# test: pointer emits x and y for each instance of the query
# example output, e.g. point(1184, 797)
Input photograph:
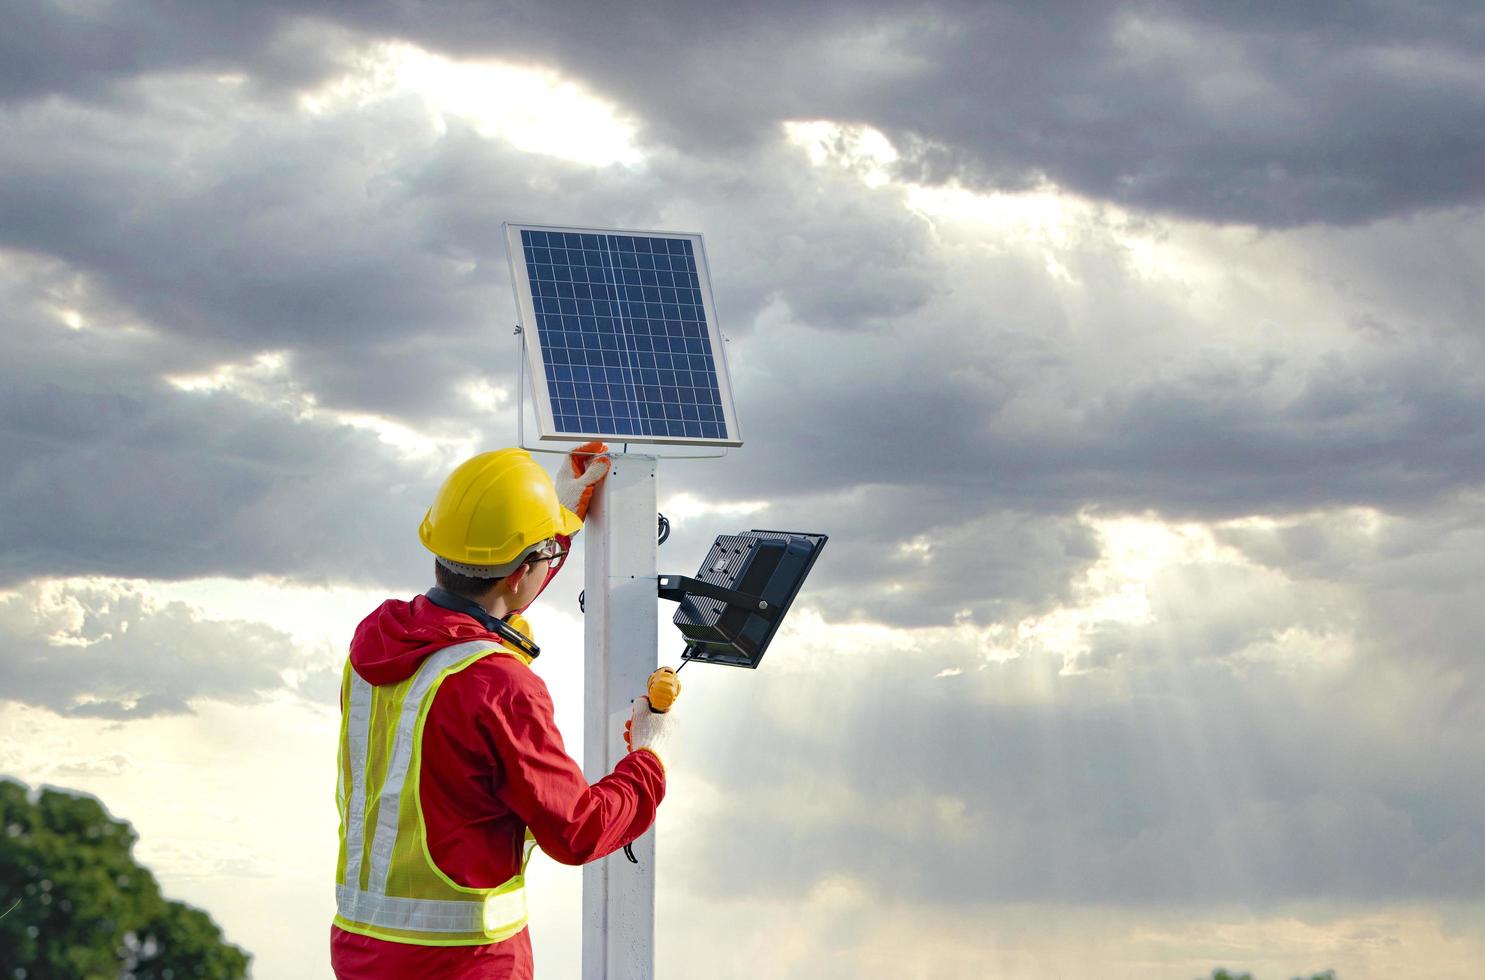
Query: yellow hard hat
point(492, 510)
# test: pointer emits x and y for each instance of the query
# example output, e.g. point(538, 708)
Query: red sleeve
point(572, 821)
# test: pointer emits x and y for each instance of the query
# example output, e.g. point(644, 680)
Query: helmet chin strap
point(457, 603)
point(546, 582)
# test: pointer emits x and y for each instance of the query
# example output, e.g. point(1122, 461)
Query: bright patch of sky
point(220, 811)
point(534, 109)
point(860, 149)
point(681, 507)
point(1295, 318)
point(1139, 557)
point(484, 395)
point(265, 380)
point(1046, 216)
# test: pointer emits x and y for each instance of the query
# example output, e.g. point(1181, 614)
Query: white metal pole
point(621, 642)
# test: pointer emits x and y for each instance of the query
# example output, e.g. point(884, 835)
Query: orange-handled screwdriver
point(663, 688)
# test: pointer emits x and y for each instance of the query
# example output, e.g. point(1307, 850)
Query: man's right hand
point(648, 729)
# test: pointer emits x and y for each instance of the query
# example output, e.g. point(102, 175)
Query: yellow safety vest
point(386, 884)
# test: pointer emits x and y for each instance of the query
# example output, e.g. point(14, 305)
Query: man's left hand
point(584, 469)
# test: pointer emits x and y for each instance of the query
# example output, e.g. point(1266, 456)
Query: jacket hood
point(391, 642)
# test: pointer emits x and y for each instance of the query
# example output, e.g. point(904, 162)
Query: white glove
point(585, 468)
point(648, 729)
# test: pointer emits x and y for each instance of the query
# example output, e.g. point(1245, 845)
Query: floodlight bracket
point(677, 587)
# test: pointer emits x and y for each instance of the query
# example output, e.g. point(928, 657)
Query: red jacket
point(493, 765)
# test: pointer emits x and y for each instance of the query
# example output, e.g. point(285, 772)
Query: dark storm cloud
point(1050, 420)
point(175, 486)
point(225, 236)
point(381, 303)
point(1379, 430)
point(872, 348)
point(88, 48)
point(1340, 116)
point(837, 255)
point(1333, 113)
point(112, 471)
point(239, 231)
point(372, 247)
point(1229, 116)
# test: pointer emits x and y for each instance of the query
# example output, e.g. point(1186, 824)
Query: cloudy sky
point(1131, 355)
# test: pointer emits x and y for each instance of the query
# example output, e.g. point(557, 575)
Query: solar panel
point(625, 344)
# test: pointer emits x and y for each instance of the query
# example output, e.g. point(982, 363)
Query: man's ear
point(514, 579)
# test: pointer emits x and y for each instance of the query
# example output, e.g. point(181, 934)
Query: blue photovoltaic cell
point(623, 335)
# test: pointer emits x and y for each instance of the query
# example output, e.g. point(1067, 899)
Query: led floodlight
point(729, 612)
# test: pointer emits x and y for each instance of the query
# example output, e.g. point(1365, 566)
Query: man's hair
point(461, 585)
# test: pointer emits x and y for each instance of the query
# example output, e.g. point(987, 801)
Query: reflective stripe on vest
point(405, 897)
point(430, 914)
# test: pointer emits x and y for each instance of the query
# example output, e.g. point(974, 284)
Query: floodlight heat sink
point(731, 609)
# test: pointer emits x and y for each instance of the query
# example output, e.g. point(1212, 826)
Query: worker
point(451, 765)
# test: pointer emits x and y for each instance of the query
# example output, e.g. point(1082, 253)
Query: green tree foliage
point(81, 907)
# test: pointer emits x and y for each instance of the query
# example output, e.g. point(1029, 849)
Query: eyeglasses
point(556, 556)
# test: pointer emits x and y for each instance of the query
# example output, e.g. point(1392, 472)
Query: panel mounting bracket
point(677, 587)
